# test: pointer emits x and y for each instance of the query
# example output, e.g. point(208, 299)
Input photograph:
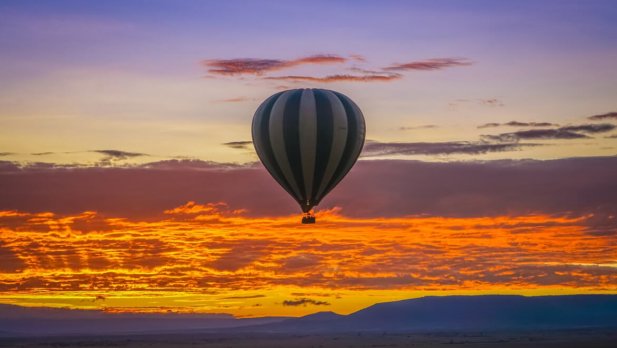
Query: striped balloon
point(308, 139)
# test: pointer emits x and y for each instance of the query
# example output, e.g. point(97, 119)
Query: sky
point(129, 182)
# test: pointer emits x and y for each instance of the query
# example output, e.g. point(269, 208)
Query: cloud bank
point(261, 67)
point(393, 187)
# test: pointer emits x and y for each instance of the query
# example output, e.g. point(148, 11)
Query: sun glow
point(207, 258)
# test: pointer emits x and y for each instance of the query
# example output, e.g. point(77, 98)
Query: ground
point(572, 338)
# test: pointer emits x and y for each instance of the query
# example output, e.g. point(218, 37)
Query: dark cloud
point(607, 116)
point(9, 261)
point(243, 297)
point(491, 102)
point(566, 132)
point(384, 77)
point(392, 187)
point(535, 134)
point(42, 153)
point(119, 155)
point(239, 257)
point(5, 154)
point(260, 66)
point(426, 126)
point(194, 164)
point(374, 148)
point(301, 261)
point(429, 64)
point(244, 145)
point(490, 125)
point(304, 302)
point(577, 185)
point(518, 124)
point(590, 128)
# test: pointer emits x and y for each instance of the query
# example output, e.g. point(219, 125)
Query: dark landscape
point(473, 321)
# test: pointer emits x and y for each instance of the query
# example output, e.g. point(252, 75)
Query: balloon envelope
point(308, 139)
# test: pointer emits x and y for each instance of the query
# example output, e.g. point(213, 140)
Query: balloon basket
point(308, 218)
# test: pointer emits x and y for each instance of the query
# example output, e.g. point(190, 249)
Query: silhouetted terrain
point(24, 321)
point(472, 321)
point(596, 338)
point(465, 313)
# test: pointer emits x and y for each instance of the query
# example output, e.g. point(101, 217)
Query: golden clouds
point(258, 263)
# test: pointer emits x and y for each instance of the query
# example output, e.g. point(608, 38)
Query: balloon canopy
point(308, 139)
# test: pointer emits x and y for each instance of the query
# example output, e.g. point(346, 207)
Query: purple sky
point(140, 76)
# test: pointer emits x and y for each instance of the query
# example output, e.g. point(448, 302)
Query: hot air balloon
point(308, 139)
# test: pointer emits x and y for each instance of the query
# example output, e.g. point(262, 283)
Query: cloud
point(567, 132)
point(301, 261)
point(163, 257)
point(241, 254)
point(608, 116)
point(429, 64)
point(490, 102)
point(305, 301)
point(113, 156)
point(535, 134)
point(243, 297)
point(518, 124)
point(6, 154)
point(42, 153)
point(338, 78)
point(590, 128)
point(233, 100)
point(256, 66)
point(426, 126)
point(357, 57)
point(11, 263)
point(374, 148)
point(119, 155)
point(244, 145)
point(262, 67)
point(395, 188)
point(194, 164)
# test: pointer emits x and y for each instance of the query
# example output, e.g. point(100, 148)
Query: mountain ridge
point(423, 314)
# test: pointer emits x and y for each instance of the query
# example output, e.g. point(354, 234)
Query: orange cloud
point(339, 78)
point(256, 66)
point(259, 67)
point(429, 64)
point(211, 250)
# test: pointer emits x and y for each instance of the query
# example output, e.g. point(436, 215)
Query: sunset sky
point(128, 181)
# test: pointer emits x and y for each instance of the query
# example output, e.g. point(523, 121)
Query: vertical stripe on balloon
point(355, 140)
point(339, 138)
point(277, 142)
point(308, 141)
point(261, 141)
point(325, 132)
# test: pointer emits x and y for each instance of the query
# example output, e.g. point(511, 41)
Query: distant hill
point(426, 314)
point(37, 321)
point(465, 313)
